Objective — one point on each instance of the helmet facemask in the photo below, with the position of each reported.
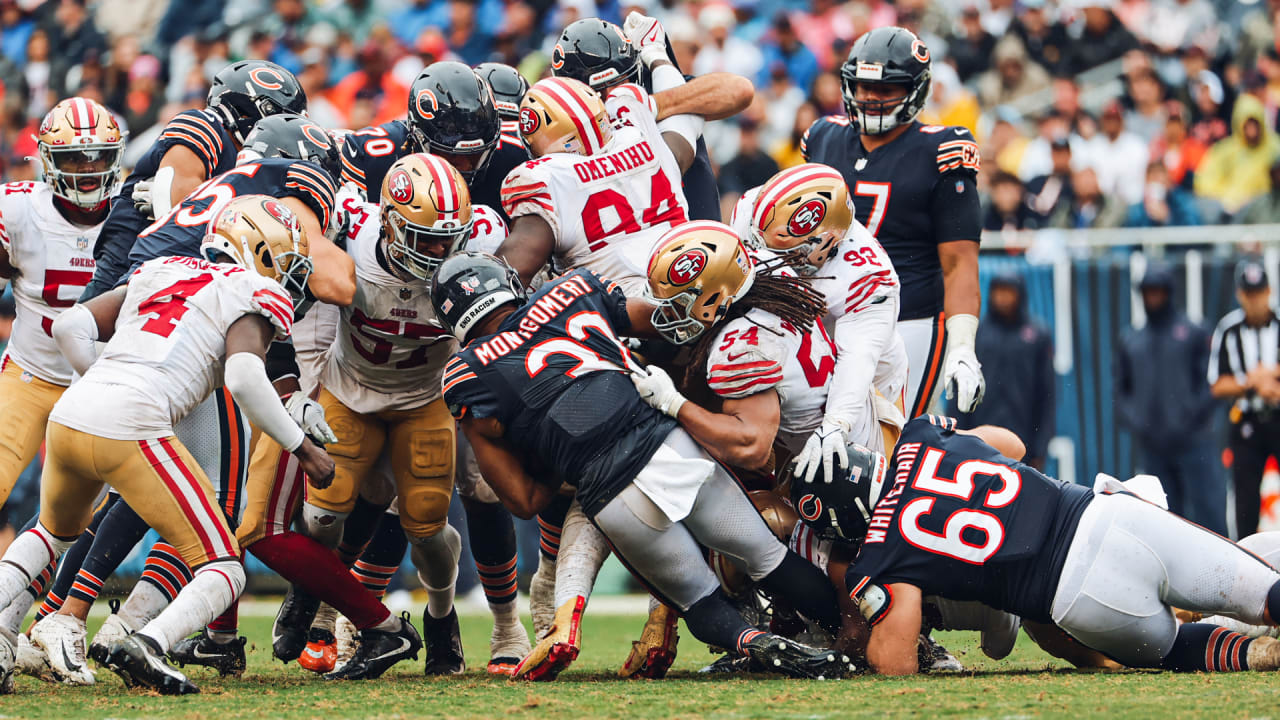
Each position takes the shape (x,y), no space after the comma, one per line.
(876,117)
(84,175)
(408,244)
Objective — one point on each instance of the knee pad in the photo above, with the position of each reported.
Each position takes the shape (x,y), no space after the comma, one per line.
(323,526)
(436,557)
(424,507)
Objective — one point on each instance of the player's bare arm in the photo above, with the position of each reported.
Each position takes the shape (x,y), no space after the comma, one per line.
(528,247)
(503,470)
(714,96)
(1002,439)
(334,278)
(741,434)
(854,631)
(892,649)
(681,148)
(180,172)
(641,314)
(959,260)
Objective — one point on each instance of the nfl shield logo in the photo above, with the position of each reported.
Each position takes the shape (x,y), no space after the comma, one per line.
(82,243)
(405,293)
(860,164)
(959,187)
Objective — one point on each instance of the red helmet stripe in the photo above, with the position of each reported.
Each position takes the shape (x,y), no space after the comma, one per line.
(785,182)
(578,112)
(442,178)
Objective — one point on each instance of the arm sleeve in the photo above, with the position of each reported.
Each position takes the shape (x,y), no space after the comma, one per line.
(861,338)
(524,193)
(352,164)
(955,208)
(245,376)
(282,361)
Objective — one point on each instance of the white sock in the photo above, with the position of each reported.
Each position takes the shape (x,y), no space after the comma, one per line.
(210,592)
(542,594)
(436,559)
(26,558)
(505,614)
(391,623)
(583,551)
(326,617)
(11,618)
(144,603)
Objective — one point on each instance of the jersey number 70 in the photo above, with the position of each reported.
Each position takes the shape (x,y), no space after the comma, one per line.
(951,541)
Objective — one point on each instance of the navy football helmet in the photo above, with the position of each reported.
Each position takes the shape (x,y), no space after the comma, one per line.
(470,285)
(892,56)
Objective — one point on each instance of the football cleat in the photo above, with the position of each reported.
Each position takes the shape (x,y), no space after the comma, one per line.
(62,637)
(138,661)
(378,650)
(729,663)
(289,632)
(7,662)
(227,658)
(935,658)
(654,653)
(780,655)
(31,660)
(507,644)
(321,654)
(346,635)
(443,641)
(113,628)
(558,648)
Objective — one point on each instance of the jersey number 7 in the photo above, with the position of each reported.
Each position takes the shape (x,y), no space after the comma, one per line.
(951,541)
(881,192)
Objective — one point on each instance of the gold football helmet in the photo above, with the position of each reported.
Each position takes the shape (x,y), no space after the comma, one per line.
(563,115)
(426,214)
(260,233)
(698,270)
(80,146)
(781,518)
(803,212)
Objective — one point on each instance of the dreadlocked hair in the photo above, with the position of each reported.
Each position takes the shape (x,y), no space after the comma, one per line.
(788,296)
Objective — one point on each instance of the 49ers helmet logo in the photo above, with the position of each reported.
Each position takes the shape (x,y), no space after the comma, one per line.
(529,121)
(401,186)
(687,267)
(810,507)
(807,218)
(280,212)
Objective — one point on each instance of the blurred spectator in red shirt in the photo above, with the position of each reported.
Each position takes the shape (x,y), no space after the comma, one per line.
(1180,152)
(373,82)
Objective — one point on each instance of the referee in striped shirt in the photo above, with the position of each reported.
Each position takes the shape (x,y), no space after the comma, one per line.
(1243,367)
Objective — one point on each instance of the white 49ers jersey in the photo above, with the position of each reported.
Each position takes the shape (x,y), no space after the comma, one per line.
(760,351)
(54,260)
(488,230)
(606,211)
(169,345)
(390,350)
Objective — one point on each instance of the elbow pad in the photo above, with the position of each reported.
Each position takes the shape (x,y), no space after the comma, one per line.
(245,376)
(282,361)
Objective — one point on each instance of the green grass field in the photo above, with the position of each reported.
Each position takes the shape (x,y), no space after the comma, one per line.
(1027,684)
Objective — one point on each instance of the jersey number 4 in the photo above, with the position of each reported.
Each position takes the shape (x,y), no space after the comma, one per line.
(951,542)
(170,304)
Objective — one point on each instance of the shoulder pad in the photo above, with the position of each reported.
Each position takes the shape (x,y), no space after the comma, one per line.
(957,149)
(746,359)
(817,128)
(488,229)
(626,98)
(456,386)
(524,192)
(272,302)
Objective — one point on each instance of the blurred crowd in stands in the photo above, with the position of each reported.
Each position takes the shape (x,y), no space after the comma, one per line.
(1090,113)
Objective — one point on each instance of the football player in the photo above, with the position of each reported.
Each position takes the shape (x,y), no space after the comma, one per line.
(115,426)
(605,56)
(508,87)
(955,516)
(47,231)
(307,190)
(805,213)
(544,384)
(914,187)
(194,146)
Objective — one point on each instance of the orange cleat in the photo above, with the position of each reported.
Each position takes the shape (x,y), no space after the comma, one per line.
(321,654)
(558,648)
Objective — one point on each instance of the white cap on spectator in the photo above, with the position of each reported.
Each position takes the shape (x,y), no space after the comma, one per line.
(715,17)
(681,29)
(1211,81)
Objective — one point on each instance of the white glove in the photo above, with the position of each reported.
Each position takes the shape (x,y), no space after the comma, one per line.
(648,36)
(142,198)
(346,202)
(309,415)
(825,448)
(658,389)
(961,371)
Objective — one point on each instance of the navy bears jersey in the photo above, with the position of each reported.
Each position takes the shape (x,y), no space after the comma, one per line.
(181,231)
(369,153)
(915,193)
(963,522)
(701,190)
(555,375)
(199,131)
